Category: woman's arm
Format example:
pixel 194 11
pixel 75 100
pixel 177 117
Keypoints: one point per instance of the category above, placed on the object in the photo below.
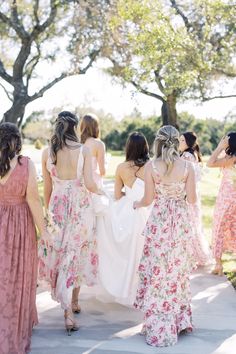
pixel 215 160
pixel 149 189
pixel 47 181
pixel 191 191
pixel 101 158
pixel 33 199
pixel 88 173
pixel 118 184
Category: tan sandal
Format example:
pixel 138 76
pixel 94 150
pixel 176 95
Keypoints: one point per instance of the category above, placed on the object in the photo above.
pixel 70 323
pixel 218 270
pixel 75 307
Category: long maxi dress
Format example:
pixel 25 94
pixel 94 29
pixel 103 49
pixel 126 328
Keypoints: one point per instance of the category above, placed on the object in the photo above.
pixel 164 288
pixel 70 259
pixel 224 219
pixel 18 264
pixel 200 245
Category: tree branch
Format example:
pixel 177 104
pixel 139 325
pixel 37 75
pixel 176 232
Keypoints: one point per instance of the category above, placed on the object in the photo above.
pixel 215 97
pixel 158 81
pixel 18 27
pixel 7 92
pixel 48 86
pixel 41 28
pixel 92 58
pixel 4 75
pixel 32 64
pixel 35 10
pixel 180 12
pixel 146 92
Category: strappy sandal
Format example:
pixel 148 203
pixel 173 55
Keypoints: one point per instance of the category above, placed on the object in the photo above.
pixel 70 323
pixel 75 307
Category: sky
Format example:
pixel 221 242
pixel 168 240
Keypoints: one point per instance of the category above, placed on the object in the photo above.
pixel 97 89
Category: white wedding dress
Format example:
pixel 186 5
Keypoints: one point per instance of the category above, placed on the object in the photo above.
pixel 120 244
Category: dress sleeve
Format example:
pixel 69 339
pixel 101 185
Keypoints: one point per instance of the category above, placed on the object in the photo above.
pixel 188 156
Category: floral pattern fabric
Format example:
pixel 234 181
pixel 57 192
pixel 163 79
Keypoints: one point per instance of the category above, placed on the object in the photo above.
pixel 69 259
pixel 224 219
pixel 164 289
pixel 200 245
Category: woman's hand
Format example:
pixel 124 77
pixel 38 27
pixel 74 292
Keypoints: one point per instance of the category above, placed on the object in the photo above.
pixel 224 143
pixel 136 205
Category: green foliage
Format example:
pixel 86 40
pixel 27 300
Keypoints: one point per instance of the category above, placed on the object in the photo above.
pixel 38 145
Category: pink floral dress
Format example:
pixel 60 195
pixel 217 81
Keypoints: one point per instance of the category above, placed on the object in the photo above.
pixel 69 259
pixel 200 245
pixel 164 289
pixel 224 219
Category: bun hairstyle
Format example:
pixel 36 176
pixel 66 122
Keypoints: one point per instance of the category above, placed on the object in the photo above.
pixel 231 149
pixel 166 145
pixel 10 146
pixel 193 147
pixel 137 149
pixel 89 127
pixel 65 125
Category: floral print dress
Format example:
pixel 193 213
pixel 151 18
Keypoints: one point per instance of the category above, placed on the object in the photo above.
pixel 164 289
pixel 200 245
pixel 69 259
pixel 224 219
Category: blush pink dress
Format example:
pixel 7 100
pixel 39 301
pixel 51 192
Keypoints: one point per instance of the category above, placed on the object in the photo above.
pixel 200 245
pixel 18 264
pixel 224 220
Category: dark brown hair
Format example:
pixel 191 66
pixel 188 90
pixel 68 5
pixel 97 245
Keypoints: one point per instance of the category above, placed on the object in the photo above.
pixel 10 146
pixel 231 149
pixel 89 127
pixel 65 125
pixel 137 149
pixel 192 143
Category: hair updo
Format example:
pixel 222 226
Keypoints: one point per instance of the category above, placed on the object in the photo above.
pixel 10 146
pixel 65 125
pixel 166 145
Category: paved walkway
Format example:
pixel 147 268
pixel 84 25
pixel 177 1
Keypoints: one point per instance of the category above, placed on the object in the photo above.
pixel 109 328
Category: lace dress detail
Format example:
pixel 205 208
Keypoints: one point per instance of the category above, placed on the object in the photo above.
pixel 70 258
pixel 164 289
pixel 224 219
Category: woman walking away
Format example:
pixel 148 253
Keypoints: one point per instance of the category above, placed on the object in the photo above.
pixel 190 151
pixel 164 290
pixel 19 208
pixel 224 220
pixel 89 136
pixel 120 237
pixel 71 254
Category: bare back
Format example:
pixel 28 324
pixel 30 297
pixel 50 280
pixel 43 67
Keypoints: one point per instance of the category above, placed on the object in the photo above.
pixel 67 162
pixel 177 174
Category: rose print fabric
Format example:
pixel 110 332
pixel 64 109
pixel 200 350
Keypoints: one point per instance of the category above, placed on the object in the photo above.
pixel 200 245
pixel 224 220
pixel 69 259
pixel 164 290
pixel 18 264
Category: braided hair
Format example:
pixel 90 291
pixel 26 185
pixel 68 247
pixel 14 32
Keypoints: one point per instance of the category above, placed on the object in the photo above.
pixel 65 125
pixel 166 145
pixel 10 146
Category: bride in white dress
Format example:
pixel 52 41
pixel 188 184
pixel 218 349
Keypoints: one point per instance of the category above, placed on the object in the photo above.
pixel 120 242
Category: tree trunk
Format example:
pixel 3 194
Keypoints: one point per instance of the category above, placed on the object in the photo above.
pixel 168 111
pixel 15 113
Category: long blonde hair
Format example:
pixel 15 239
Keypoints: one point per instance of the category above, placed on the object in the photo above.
pixel 166 145
pixel 89 127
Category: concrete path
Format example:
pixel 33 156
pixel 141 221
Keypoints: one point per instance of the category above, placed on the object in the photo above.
pixel 109 328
